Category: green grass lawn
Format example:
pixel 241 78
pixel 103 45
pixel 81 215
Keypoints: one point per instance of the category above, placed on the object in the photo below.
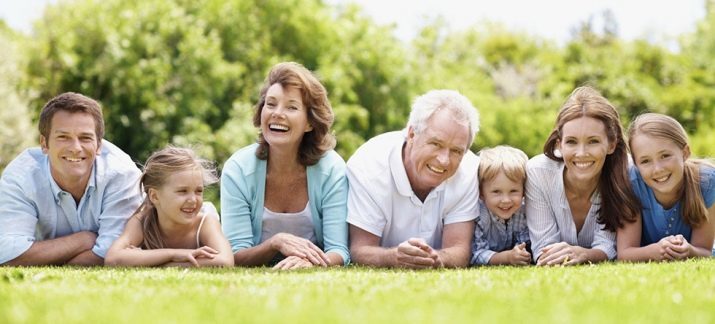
pixel 682 292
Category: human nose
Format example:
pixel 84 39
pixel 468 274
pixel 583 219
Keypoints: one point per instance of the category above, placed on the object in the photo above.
pixel 278 111
pixel 443 156
pixel 75 145
pixel 580 150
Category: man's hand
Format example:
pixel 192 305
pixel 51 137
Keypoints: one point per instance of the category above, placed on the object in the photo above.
pixel 415 253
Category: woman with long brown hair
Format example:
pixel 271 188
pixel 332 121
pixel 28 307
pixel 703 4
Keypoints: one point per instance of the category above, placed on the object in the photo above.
pixel 577 190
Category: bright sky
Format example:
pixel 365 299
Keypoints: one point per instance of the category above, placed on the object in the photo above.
pixel 655 20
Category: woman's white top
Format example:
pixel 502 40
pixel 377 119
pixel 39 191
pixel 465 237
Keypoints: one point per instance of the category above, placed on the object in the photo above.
pixel 299 224
pixel 548 213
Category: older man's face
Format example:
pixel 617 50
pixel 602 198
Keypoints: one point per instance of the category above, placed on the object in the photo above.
pixel 434 154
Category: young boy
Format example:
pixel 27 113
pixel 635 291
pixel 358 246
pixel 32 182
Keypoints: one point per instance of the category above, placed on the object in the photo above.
pixel 501 235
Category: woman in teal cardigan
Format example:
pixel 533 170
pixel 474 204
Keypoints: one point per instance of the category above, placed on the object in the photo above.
pixel 284 199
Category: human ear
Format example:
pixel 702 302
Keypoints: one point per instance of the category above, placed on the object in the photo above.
pixel 686 152
pixel 611 147
pixel 153 196
pixel 43 144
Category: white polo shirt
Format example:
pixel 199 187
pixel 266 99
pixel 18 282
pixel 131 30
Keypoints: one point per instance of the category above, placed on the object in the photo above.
pixel 381 200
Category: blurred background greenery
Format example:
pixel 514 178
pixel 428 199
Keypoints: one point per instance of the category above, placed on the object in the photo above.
pixel 188 72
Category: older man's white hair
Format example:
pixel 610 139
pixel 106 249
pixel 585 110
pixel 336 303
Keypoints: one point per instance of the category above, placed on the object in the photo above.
pixel 462 110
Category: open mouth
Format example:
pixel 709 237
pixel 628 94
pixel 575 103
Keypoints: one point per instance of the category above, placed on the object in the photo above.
pixel 436 169
pixel 188 210
pixel 662 179
pixel 278 128
pixel 505 209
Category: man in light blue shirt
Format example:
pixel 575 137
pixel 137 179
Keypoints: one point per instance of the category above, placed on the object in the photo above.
pixel 66 202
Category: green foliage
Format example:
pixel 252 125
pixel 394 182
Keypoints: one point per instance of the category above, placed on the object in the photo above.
pixel 16 130
pixel 189 72
pixel 612 292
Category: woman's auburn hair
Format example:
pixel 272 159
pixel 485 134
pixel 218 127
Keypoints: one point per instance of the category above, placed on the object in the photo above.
pixel 315 99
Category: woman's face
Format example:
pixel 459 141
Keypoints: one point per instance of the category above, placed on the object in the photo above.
pixel 661 164
pixel 584 146
pixel 284 118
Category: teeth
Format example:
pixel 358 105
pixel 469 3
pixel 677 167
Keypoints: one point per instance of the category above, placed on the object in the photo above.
pixel 435 169
pixel 583 164
pixel 662 179
pixel 73 159
pixel 278 127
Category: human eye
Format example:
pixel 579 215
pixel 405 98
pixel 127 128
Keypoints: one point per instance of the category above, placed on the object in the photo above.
pixel 570 141
pixel 643 161
pixel 594 141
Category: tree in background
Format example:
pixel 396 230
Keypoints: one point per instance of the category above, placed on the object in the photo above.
pixel 189 72
pixel 16 129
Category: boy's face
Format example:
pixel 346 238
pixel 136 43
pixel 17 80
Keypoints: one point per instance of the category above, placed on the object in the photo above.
pixel 502 196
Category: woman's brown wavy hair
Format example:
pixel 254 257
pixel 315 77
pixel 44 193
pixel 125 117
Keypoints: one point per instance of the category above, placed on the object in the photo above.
pixel 315 98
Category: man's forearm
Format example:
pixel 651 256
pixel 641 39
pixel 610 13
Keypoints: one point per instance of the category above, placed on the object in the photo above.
pixel 454 257
pixel 56 251
pixel 374 256
pixel 86 258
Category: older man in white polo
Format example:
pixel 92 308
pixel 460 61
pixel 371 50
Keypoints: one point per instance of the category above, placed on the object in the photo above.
pixel 414 193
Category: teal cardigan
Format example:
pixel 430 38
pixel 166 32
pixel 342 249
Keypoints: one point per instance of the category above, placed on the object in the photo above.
pixel 243 184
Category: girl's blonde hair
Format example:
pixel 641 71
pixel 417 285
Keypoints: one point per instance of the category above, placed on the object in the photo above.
pixel 502 158
pixel 159 167
pixel 665 127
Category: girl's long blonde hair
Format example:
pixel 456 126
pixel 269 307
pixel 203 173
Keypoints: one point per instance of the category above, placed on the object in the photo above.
pixel 665 127
pixel 159 167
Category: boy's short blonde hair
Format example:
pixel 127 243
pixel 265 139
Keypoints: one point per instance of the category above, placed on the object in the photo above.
pixel 503 158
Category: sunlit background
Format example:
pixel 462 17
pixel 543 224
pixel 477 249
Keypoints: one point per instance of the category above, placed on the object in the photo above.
pixel 188 72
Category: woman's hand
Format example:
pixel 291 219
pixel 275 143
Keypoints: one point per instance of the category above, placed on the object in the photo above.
pixel 561 254
pixel 293 262
pixel 188 255
pixel 291 245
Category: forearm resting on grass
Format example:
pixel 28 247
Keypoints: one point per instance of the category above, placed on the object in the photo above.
pixel 59 251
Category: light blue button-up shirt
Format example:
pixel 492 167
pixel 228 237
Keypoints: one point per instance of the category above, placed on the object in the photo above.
pixel 34 208
pixel 493 234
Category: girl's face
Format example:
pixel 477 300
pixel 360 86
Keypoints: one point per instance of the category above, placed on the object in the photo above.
pixel 661 164
pixel 179 200
pixel 584 146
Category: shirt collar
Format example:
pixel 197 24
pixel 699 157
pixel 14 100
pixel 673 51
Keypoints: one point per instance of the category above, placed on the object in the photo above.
pixel 57 192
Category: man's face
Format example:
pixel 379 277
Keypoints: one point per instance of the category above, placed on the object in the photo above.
pixel 434 154
pixel 72 146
